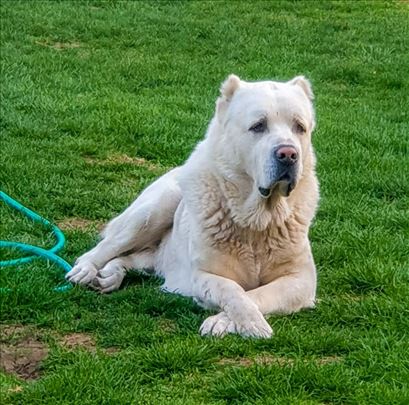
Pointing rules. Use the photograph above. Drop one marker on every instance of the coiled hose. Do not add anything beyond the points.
(35, 251)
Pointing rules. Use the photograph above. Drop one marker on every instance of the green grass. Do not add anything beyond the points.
(84, 84)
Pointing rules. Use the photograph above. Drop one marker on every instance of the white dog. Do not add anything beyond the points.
(229, 227)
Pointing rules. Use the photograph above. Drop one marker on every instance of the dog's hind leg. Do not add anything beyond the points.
(141, 226)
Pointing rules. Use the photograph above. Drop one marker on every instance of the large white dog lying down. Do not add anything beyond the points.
(229, 227)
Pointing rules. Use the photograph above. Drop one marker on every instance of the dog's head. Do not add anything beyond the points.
(267, 129)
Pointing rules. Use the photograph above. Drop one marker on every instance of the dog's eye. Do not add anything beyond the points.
(259, 127)
(298, 128)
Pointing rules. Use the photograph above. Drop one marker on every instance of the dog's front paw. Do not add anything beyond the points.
(84, 272)
(217, 325)
(248, 326)
(110, 277)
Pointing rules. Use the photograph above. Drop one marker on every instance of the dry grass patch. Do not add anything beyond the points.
(59, 46)
(78, 340)
(262, 359)
(118, 158)
(265, 359)
(168, 326)
(16, 388)
(82, 224)
(352, 297)
(322, 361)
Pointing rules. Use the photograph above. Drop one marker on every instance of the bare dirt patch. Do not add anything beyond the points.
(13, 331)
(21, 351)
(75, 223)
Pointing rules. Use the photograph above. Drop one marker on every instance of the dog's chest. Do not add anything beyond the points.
(250, 258)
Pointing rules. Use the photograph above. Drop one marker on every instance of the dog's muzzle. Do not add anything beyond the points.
(283, 172)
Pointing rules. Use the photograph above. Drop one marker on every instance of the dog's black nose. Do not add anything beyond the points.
(286, 154)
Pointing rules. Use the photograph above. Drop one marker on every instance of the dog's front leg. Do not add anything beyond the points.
(239, 314)
(288, 293)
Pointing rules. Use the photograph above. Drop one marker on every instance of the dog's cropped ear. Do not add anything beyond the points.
(305, 85)
(229, 86)
(227, 89)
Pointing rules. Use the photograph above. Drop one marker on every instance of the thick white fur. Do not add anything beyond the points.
(207, 230)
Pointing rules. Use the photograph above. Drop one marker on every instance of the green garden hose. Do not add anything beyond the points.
(35, 251)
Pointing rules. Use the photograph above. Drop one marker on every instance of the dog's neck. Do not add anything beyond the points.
(247, 208)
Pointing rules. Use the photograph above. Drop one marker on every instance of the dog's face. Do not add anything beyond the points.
(267, 127)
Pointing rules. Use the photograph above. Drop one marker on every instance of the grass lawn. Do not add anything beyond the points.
(99, 98)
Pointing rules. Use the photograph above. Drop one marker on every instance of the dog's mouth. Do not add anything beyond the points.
(285, 187)
(285, 184)
(265, 192)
